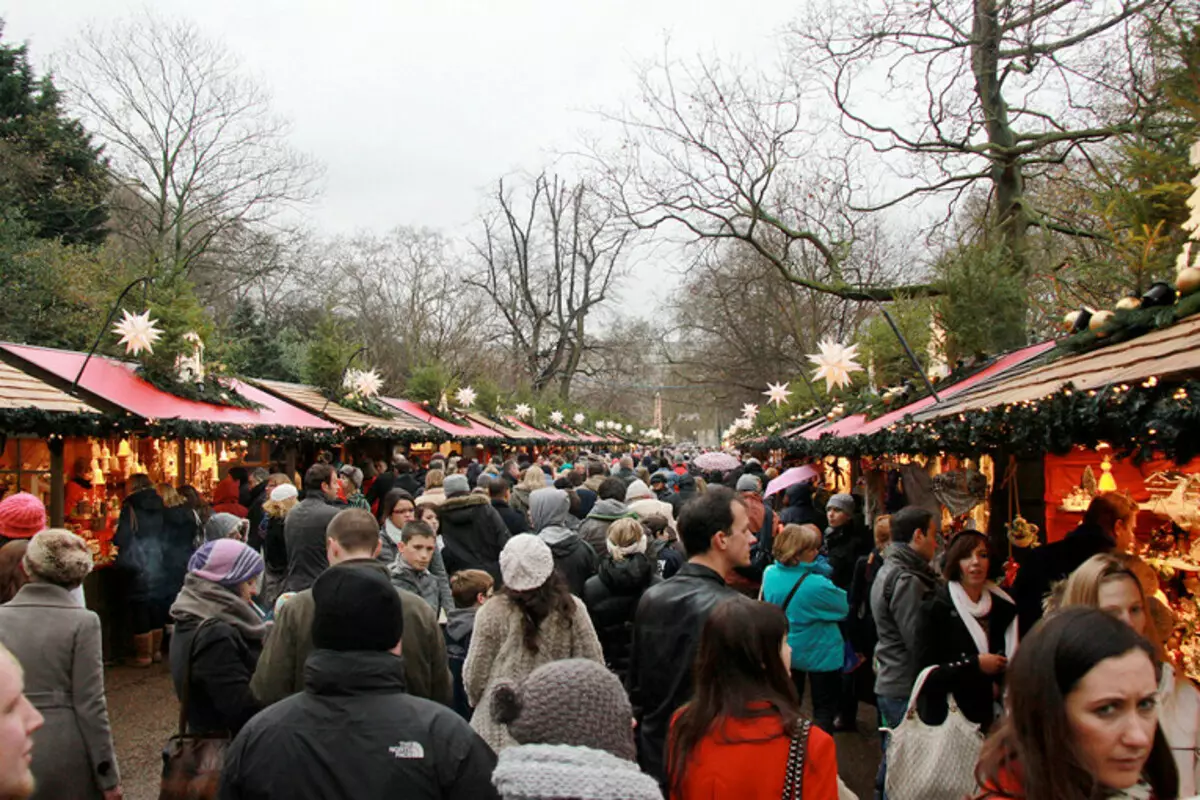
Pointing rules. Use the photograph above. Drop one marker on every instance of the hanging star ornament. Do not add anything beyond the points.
(777, 393)
(750, 411)
(363, 382)
(556, 417)
(834, 363)
(137, 332)
(578, 419)
(522, 411)
(465, 397)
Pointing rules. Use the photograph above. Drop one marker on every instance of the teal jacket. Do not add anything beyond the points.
(813, 614)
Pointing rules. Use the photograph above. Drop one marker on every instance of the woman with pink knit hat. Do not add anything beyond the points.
(21, 516)
(219, 636)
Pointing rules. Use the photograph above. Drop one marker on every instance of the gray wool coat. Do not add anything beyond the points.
(58, 645)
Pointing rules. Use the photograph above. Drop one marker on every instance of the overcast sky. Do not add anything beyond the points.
(415, 108)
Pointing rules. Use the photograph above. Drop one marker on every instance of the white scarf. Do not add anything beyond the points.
(392, 531)
(970, 613)
(622, 552)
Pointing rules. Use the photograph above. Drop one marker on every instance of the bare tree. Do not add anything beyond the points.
(191, 138)
(943, 96)
(551, 255)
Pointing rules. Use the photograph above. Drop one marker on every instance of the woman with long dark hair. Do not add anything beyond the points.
(744, 721)
(396, 511)
(532, 621)
(1082, 719)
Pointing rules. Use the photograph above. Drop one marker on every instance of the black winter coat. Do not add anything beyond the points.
(219, 698)
(139, 541)
(843, 547)
(943, 639)
(666, 634)
(275, 546)
(1046, 565)
(611, 597)
(667, 558)
(304, 534)
(574, 558)
(255, 513)
(513, 519)
(354, 733)
(473, 533)
(181, 527)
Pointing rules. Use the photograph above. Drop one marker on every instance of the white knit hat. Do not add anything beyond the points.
(283, 491)
(525, 562)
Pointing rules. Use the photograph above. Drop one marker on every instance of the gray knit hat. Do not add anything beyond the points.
(842, 502)
(456, 484)
(749, 483)
(59, 557)
(575, 702)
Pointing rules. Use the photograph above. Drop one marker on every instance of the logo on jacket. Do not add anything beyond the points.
(407, 750)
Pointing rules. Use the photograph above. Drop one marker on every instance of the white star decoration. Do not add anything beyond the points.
(363, 382)
(556, 417)
(835, 362)
(522, 411)
(137, 332)
(578, 419)
(777, 393)
(629, 429)
(465, 397)
(750, 411)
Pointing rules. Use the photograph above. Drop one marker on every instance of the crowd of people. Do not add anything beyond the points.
(590, 627)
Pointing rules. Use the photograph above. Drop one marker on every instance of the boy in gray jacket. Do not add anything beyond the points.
(410, 570)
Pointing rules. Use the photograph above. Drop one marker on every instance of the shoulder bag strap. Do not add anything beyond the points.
(186, 690)
(792, 593)
(793, 782)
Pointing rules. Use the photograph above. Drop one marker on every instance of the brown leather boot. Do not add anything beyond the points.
(156, 639)
(142, 644)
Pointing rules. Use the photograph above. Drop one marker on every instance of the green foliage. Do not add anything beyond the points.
(254, 349)
(985, 305)
(50, 172)
(328, 352)
(427, 383)
(878, 345)
(488, 397)
(177, 311)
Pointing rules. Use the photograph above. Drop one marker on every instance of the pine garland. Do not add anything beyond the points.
(41, 423)
(213, 391)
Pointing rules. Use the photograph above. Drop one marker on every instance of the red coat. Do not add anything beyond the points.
(225, 498)
(747, 759)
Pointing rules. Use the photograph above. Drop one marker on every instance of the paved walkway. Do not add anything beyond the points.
(144, 714)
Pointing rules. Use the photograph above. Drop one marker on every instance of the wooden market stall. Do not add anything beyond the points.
(474, 439)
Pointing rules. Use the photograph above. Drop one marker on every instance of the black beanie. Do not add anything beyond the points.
(357, 609)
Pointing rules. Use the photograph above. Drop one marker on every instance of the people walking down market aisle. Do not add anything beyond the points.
(473, 532)
(574, 558)
(500, 494)
(743, 726)
(19, 723)
(1082, 717)
(609, 507)
(139, 566)
(354, 731)
(1108, 582)
(531, 621)
(304, 528)
(671, 616)
(800, 585)
(613, 593)
(531, 480)
(1108, 526)
(968, 631)
(57, 643)
(902, 586)
(219, 635)
(573, 725)
(353, 542)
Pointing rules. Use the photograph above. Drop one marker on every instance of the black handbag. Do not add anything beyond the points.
(192, 762)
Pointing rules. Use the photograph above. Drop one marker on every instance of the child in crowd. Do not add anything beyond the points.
(471, 588)
(410, 570)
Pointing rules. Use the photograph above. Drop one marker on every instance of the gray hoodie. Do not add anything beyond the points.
(420, 582)
(594, 529)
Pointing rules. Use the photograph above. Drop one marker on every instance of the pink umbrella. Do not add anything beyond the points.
(790, 478)
(722, 462)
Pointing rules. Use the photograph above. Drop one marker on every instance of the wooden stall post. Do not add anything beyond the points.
(58, 486)
(181, 476)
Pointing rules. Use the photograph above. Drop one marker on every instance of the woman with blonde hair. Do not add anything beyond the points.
(1110, 583)
(283, 498)
(613, 593)
(800, 584)
(533, 479)
(434, 494)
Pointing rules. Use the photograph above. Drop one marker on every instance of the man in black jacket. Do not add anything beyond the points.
(473, 532)
(304, 528)
(498, 491)
(354, 732)
(715, 530)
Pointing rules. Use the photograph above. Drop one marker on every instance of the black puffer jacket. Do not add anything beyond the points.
(666, 634)
(800, 509)
(353, 732)
(181, 527)
(611, 597)
(139, 541)
(844, 546)
(219, 698)
(473, 534)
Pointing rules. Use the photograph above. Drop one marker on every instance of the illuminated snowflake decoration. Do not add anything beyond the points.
(578, 419)
(629, 429)
(556, 417)
(777, 393)
(750, 411)
(523, 411)
(834, 363)
(465, 397)
(137, 332)
(363, 382)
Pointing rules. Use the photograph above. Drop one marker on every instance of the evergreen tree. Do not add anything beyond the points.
(254, 351)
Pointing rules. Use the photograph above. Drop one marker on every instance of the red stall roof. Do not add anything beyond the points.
(535, 433)
(117, 383)
(414, 409)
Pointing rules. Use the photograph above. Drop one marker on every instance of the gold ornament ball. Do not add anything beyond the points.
(1069, 319)
(1129, 303)
(1098, 321)
(1188, 280)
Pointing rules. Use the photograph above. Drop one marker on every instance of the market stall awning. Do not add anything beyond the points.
(30, 405)
(308, 397)
(116, 382)
(531, 432)
(21, 390)
(1161, 354)
(473, 429)
(508, 431)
